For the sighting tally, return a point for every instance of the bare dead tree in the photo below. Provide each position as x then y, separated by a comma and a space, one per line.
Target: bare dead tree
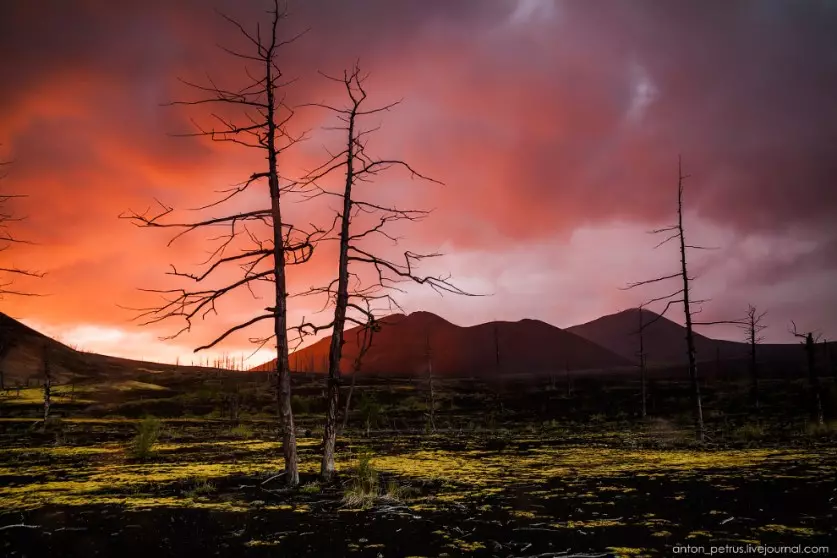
431, 406
8, 271
682, 296
813, 378
642, 361
753, 327
365, 335
354, 300
259, 243
47, 382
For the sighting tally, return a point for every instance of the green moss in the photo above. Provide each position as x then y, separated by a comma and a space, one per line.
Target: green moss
253, 543
788, 530
589, 524
625, 551
310, 488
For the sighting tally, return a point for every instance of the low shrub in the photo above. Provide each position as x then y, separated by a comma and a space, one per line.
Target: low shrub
148, 432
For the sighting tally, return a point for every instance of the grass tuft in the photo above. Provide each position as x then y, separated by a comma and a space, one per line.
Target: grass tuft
148, 433
363, 484
201, 487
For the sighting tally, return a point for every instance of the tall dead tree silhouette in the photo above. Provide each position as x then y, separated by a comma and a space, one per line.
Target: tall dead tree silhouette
642, 361
815, 388
682, 295
348, 291
258, 242
753, 328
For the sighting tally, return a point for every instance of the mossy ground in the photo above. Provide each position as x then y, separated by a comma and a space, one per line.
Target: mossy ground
521, 469
201, 494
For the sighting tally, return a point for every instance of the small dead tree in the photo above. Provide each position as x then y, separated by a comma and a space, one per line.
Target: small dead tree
431, 406
642, 361
365, 335
258, 242
682, 296
356, 300
47, 382
753, 326
810, 343
232, 402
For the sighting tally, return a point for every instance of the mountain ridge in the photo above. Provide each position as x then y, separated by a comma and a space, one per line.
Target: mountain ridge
664, 341
487, 349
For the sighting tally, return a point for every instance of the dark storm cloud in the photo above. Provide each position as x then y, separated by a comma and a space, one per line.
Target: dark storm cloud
542, 117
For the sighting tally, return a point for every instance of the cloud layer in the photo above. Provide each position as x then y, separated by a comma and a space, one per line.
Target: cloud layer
555, 126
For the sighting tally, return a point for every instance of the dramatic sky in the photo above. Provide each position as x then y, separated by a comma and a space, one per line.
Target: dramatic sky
555, 127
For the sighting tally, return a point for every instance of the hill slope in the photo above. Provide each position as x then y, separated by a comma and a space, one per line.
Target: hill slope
22, 359
665, 341
527, 346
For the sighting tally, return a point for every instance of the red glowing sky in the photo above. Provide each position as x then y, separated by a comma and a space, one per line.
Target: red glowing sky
555, 127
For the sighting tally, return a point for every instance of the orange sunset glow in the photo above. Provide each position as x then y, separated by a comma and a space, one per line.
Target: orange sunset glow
553, 126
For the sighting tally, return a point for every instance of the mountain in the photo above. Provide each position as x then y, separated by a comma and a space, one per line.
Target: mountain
526, 346
21, 359
665, 341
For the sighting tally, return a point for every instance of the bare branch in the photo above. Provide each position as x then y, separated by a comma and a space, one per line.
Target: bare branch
649, 281
7, 241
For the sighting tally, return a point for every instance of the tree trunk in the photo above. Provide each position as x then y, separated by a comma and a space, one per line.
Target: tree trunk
754, 372
697, 408
432, 405
47, 385
642, 371
816, 395
569, 380
335, 352
283, 375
